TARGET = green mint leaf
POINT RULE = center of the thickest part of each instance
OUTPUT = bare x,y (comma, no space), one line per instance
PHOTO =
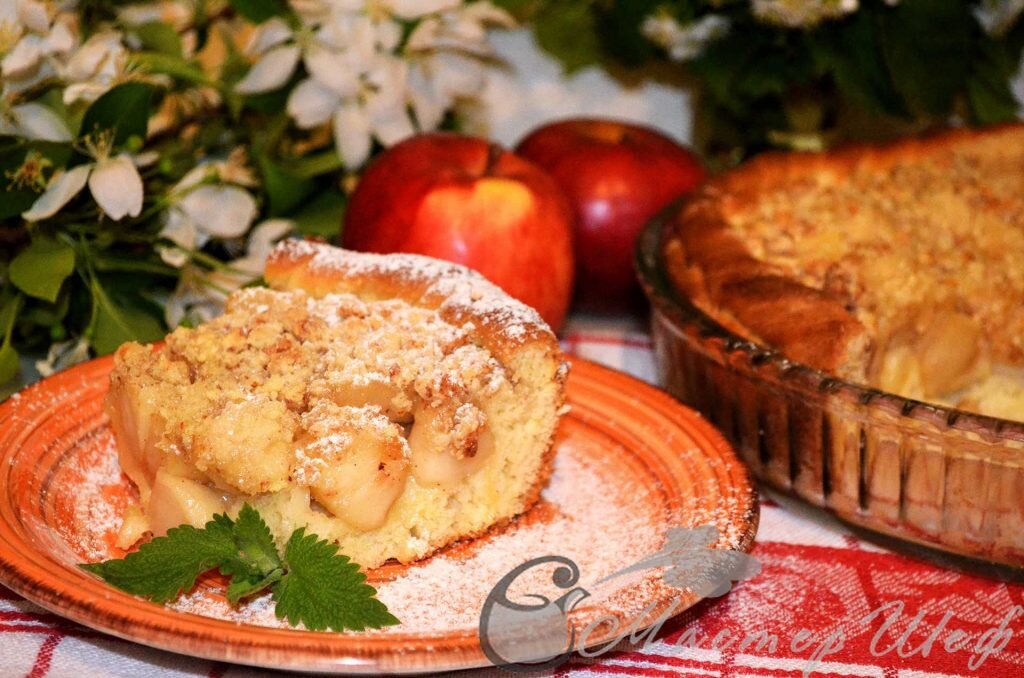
40,269
324,590
255,542
314,585
256,563
167,566
243,586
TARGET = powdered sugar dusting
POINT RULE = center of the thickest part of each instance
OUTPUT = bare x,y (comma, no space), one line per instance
465,290
95,510
603,508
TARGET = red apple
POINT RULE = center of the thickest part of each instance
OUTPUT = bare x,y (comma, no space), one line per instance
465,200
617,176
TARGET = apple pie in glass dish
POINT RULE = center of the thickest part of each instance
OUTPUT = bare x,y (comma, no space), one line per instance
393,404
853,321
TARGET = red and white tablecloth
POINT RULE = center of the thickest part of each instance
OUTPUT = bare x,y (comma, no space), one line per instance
826,603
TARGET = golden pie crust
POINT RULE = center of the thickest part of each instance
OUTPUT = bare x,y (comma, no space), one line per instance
900,266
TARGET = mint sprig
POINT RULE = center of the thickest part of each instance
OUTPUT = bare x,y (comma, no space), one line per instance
164,567
257,564
301,597
312,585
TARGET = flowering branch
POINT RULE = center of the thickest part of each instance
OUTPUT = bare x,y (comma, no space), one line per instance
152,153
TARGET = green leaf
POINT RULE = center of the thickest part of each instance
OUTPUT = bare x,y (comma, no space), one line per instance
322,216
567,31
285,191
113,262
989,93
618,25
925,43
257,554
243,586
120,319
158,36
270,102
259,11
9,363
48,315
314,585
124,109
749,66
310,166
41,268
256,564
255,542
849,52
324,590
8,356
172,65
167,566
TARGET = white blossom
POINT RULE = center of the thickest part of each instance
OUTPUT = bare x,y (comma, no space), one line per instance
62,355
201,211
177,14
113,181
200,294
95,67
683,43
32,121
997,16
193,300
33,40
261,241
358,80
802,13
447,54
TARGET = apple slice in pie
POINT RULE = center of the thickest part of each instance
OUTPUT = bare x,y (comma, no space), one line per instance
391,403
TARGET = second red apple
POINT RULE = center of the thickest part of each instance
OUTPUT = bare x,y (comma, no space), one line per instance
617,176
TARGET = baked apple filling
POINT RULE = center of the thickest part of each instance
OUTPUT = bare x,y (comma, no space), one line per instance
371,422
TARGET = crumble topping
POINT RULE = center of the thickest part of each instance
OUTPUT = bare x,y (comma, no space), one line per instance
925,249
943,232
309,381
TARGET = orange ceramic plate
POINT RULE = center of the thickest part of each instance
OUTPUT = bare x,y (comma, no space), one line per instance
631,463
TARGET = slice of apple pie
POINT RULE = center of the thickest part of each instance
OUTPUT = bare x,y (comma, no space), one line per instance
391,403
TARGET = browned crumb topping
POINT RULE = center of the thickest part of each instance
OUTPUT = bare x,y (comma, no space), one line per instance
943,234
306,375
927,254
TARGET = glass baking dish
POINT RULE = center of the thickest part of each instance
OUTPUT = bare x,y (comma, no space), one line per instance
921,473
